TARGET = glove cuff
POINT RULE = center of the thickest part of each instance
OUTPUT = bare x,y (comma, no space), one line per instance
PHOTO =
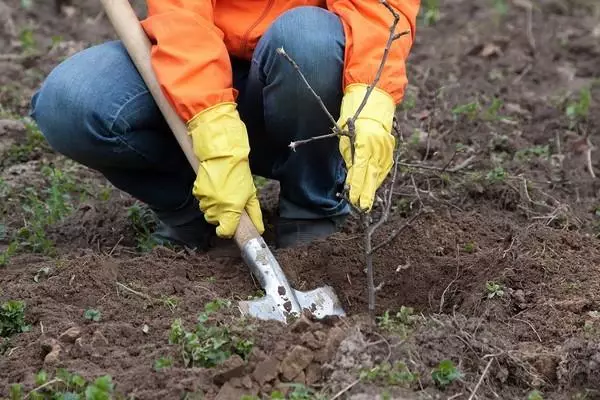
380,106
218,132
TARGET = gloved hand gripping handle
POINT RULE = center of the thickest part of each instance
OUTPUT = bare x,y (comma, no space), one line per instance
131,33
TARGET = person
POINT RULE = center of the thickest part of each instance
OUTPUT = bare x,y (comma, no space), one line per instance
243,103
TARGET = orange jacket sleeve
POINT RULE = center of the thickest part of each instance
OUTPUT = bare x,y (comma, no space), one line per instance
188,55
367,26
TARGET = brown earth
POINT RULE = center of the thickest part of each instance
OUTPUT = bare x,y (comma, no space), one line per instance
510,199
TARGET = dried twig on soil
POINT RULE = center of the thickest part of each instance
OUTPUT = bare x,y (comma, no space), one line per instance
485,371
348,129
344,390
457,168
45,385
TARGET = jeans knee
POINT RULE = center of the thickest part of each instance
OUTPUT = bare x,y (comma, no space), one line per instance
76,107
314,38
48,109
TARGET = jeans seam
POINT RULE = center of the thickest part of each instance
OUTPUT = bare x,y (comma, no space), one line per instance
118,113
120,138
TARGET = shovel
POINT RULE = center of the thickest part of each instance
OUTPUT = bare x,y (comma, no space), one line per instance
281,302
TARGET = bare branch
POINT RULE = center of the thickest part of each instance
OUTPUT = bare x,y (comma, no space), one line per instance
457,168
393,36
297,143
396,232
282,52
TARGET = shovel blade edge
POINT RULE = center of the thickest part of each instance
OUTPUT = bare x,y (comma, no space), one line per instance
321,303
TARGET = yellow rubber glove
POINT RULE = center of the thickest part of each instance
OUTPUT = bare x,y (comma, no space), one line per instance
224,186
374,143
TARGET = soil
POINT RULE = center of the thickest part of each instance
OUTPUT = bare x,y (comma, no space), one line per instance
496,266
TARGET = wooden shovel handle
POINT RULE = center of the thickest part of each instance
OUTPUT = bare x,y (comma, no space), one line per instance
130,31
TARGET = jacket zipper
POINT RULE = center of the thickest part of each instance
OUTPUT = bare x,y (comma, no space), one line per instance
262,16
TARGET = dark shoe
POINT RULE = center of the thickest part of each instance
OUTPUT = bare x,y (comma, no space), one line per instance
184,227
196,234
298,232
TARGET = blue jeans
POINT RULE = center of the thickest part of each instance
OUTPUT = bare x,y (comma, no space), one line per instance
95,109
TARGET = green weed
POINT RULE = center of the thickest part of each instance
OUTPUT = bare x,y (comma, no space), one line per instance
494,289
398,324
92,315
535,395
470,110
210,343
299,392
387,374
12,318
532,152
475,110
469,247
66,386
41,210
143,222
497,175
162,363
578,109
445,373
34,144
430,13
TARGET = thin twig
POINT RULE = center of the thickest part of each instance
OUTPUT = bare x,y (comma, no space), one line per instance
393,36
143,295
531,326
396,232
457,168
45,385
344,390
282,52
388,201
487,367
530,37
297,143
588,156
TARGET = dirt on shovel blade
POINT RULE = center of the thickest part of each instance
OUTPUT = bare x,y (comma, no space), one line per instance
491,292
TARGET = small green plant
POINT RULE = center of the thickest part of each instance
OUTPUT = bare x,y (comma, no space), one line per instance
34,144
535,395
27,39
532,152
491,112
92,315
398,324
445,373
494,289
578,109
162,363
65,386
501,6
142,220
470,110
409,102
469,247
210,343
42,209
12,318
430,12
497,175
387,374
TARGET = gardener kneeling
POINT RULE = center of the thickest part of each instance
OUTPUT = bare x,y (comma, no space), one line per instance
243,103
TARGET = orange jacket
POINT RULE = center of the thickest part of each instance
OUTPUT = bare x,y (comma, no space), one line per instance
192,40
